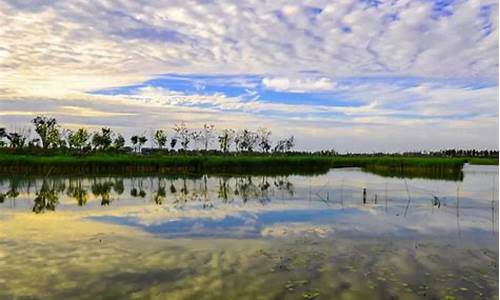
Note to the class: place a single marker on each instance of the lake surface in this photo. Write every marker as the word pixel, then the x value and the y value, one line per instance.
pixel 250 237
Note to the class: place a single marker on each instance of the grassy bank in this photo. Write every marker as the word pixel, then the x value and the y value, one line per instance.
pixel 482 161
pixel 130 164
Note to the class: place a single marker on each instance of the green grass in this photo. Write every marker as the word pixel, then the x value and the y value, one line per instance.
pixel 114 163
pixel 482 161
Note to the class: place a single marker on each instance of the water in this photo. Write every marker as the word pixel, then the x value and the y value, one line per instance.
pixel 250 237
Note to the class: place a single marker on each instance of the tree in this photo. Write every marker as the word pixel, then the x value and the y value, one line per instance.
pixel 138 142
pixel 135 140
pixel 78 140
pixel 285 144
pixel 290 143
pixel 160 138
pixel 102 140
pixel 119 142
pixel 196 138
pixel 207 134
pixel 3 134
pixel 182 134
pixel 246 140
pixel 173 143
pixel 225 139
pixel 16 140
pixel 47 129
pixel 142 141
pixel 264 139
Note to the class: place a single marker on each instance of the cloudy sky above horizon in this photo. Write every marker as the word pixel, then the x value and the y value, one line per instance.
pixel 350 75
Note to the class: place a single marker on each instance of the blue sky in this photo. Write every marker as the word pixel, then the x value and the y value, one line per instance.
pixel 349 75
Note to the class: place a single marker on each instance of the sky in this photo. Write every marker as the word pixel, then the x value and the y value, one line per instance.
pixel 356 76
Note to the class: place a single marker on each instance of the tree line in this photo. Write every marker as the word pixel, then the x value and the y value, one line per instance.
pixel 50 135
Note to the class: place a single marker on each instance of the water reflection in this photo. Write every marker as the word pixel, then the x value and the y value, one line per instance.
pixel 345 234
pixel 45 192
pixel 47 197
pixel 245 204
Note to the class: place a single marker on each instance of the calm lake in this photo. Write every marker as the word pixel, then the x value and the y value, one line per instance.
pixel 347 234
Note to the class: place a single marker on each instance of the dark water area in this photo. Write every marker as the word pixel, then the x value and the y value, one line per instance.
pixel 346 234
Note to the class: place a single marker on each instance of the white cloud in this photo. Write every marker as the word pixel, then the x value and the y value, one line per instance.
pixel 298 85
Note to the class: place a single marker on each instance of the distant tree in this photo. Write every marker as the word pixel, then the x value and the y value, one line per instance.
pixel 3 134
pixel 47 129
pixel 196 138
pixel 102 140
pixel 173 143
pixel 285 144
pixel 119 142
pixel 78 140
pixel 207 134
pixel 16 140
pixel 34 143
pixel 160 138
pixel 135 141
pixel 225 139
pixel 142 141
pixel 290 143
pixel 246 140
pixel 182 134
pixel 138 142
pixel 264 139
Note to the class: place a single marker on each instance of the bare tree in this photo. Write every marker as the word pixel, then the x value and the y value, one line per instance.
pixel 226 138
pixel 285 144
pixel 18 137
pixel 182 135
pixel 246 140
pixel 207 134
pixel 264 139
pixel 196 137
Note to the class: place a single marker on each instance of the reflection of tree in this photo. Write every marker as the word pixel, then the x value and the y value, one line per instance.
pixel 13 189
pixel 13 192
pixel 182 197
pixel 46 198
pixel 160 193
pixel 173 190
pixel 138 192
pixel 134 192
pixel 78 192
pixel 102 189
pixel 224 190
pixel 118 186
pixel 264 191
pixel 246 188
pixel 283 184
pixel 207 203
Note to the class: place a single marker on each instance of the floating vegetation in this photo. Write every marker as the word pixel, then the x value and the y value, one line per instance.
pixel 310 294
pixel 293 284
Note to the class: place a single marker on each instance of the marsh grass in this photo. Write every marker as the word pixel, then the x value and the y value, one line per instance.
pixel 128 164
